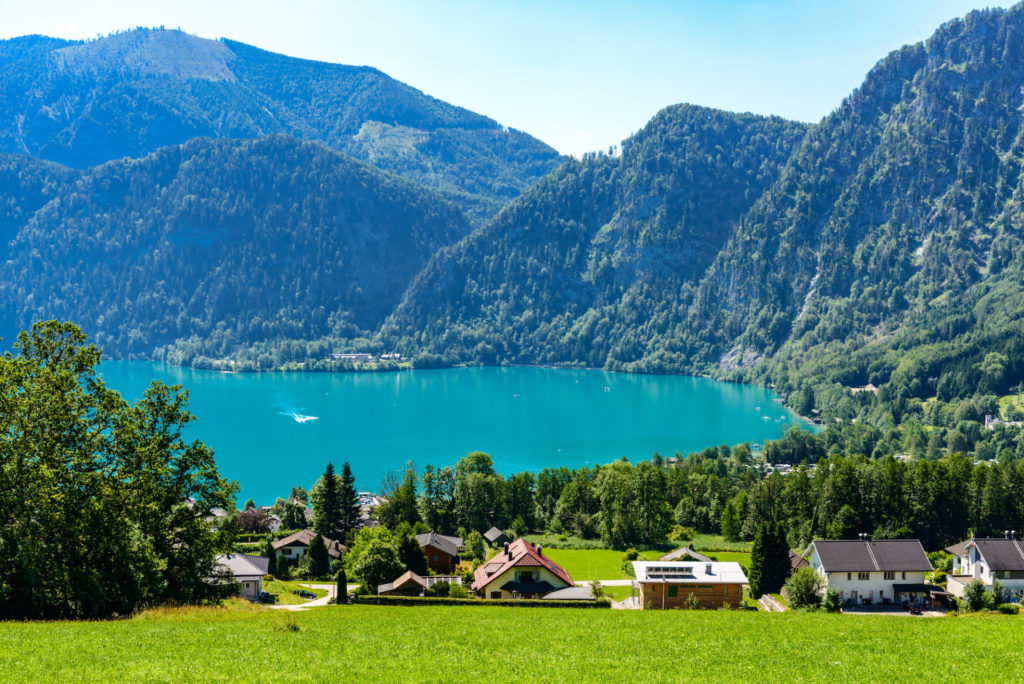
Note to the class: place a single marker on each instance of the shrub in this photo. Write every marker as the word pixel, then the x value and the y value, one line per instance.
pixel 976 597
pixel 682 533
pixel 1009 608
pixel 804 588
pixel 833 602
pixel 692 602
pixel 597 589
pixel 457 591
pixel 438 589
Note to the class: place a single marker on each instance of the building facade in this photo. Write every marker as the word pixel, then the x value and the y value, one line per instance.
pixel 663 585
pixel 988 559
pixel 872 572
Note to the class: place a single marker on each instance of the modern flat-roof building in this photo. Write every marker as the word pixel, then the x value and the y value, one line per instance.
pixel 670 584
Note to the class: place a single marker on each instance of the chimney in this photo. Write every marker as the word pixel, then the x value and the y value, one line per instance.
pixel 1006 533
pixel 540 550
pixel 707 568
pixel 506 550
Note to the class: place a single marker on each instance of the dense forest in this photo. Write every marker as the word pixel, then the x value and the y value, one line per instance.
pixel 131 93
pixel 228 241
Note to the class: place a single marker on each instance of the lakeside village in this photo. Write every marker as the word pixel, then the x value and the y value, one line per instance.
pixel 862 575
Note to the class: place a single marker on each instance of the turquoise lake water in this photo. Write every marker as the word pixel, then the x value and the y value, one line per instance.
pixel 274 430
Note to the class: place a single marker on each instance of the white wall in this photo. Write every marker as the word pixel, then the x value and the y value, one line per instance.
pixel 875 587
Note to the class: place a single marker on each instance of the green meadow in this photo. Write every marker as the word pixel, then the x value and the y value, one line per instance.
pixel 442 643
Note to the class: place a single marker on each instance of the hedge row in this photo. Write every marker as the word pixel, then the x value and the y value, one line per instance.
pixel 445 601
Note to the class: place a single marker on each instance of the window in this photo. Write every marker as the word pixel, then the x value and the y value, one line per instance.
pixel 849 576
pixel 435 557
pixel 890 576
pixel 495 594
pixel 673 591
pixel 904 575
pixel 863 575
pixel 726 595
pixel 287 551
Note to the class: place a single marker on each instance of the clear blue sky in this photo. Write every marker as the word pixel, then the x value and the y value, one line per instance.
pixel 580 75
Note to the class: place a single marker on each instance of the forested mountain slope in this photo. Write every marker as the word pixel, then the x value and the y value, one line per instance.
pixel 885 246
pixel 597 263
pixel 129 94
pixel 227 241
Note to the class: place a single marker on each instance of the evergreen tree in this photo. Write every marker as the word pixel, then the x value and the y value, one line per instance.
pixel 271 555
pixel 342 590
pixel 350 509
pixel 769 560
pixel 327 516
pixel 411 554
pixel 320 560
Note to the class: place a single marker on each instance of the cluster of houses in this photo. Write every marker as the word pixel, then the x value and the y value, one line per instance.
pixel 367 358
pixel 866 572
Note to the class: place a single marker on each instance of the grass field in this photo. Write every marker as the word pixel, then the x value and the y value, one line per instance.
pixel 714 542
pixel 594 564
pixel 388 643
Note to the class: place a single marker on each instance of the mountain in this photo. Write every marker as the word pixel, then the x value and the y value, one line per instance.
pixel 881 245
pixel 227 242
pixel 84 103
pixel 598 262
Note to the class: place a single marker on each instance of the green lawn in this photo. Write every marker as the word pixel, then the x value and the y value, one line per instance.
pixel 708 543
pixel 617 593
pixel 390 643
pixel 1008 402
pixel 283 591
pixel 595 564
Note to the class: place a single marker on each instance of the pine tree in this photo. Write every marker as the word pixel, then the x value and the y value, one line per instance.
pixel 757 561
pixel 350 509
pixel 327 518
pixel 320 559
pixel 342 591
pixel 769 559
pixel 268 551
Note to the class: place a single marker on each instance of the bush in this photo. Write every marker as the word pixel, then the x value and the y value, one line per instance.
pixel 438 589
pixel 976 597
pixel 833 600
pixel 1009 608
pixel 804 588
pixel 682 533
pixel 457 591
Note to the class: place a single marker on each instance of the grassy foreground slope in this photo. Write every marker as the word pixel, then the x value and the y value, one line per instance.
pixel 441 643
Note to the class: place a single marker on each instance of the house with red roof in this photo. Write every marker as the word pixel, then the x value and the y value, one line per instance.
pixel 520 570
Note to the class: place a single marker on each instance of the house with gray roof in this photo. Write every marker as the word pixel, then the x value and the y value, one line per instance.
pixel 988 559
pixel 684 553
pixel 494 536
pixel 248 571
pixel 872 571
pixel 442 551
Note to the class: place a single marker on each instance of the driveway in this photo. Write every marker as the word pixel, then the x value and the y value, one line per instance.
pixel 315 603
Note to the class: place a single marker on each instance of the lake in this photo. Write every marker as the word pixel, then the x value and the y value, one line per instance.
pixel 274 430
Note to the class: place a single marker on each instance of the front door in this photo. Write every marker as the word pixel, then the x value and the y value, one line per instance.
pixel 853 595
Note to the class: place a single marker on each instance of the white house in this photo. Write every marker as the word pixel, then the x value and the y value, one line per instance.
pixel 248 571
pixel 294 546
pixel 870 571
pixel 988 559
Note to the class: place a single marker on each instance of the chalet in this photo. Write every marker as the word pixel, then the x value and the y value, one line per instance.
pixel 295 545
pixel 442 551
pixel 684 553
pixel 409 584
pixel 520 570
pixel 494 536
pixel 248 571
pixel 670 584
pixel 988 559
pixel 872 571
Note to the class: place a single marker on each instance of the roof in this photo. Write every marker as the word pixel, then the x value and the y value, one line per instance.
pixel 304 537
pixel 520 553
pixel 855 555
pixel 240 567
pixel 493 534
pixel 406 578
pixel 261 562
pixel 999 552
pixel 797 561
pixel 682 553
pixel 439 542
pixel 688 572
pixel 571 594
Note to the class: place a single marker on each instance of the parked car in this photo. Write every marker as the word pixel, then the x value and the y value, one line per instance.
pixel 304 594
pixel 266 597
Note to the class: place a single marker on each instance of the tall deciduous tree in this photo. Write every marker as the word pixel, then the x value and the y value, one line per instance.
pixel 103 502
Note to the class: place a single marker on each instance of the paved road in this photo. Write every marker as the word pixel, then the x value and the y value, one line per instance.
pixel 315 603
